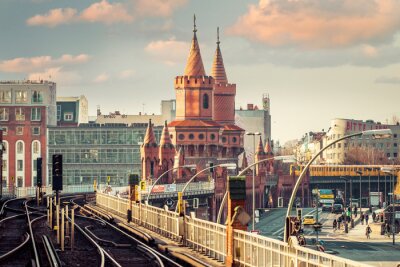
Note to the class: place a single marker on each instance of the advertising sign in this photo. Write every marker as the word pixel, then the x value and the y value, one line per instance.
pixel 158 189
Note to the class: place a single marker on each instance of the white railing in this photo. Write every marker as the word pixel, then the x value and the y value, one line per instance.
pixel 210 238
pixel 31 191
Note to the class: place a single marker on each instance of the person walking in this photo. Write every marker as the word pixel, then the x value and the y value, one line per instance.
pixel 387 229
pixel 368 231
pixel 362 218
pixel 373 216
pixel 355 211
pixel 366 218
pixel 339 221
pixel 334 225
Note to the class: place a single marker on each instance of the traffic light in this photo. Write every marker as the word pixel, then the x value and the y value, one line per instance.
pixel 299 214
pixel 133 179
pixel 57 172
pixel 39 172
pixel 211 167
pixel 237 187
pixel 293 226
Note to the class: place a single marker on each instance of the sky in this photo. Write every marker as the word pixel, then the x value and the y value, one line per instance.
pixel 317 59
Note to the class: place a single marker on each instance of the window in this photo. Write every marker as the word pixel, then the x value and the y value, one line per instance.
pixel 4 129
pixel 223 139
pixel 36 130
pixel 395 144
pixel 20 165
pixel 339 145
pixel 35 114
pixel 181 136
pixel 5 97
pixel 3 114
pixel 205 101
pixel 191 136
pixel 19 114
pixel 212 136
pixel 21 97
pixel 5 148
pixel 58 112
pixel 20 147
pixel 35 147
pixel 20 182
pixel 4 164
pixel 388 155
pixel 20 130
pixel 68 116
pixel 37 97
pixel 234 139
pixel 395 155
pixel 34 165
pixel 394 135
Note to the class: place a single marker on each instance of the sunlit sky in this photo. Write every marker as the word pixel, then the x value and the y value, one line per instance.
pixel 317 59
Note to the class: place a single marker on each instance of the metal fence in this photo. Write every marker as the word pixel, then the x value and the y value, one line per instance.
pixel 31 191
pixel 210 238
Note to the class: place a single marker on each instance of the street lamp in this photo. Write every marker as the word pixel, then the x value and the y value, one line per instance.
pixel 369 187
pixel 159 177
pixel 391 172
pixel 283 158
pixel 254 171
pixel 375 134
pixel 226 165
pixel 345 189
pixel 359 173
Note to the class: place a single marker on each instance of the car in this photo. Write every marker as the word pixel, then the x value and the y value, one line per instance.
pixel 337 208
pixel 309 220
pixel 327 207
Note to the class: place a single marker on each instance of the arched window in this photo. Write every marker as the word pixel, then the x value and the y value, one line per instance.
pixel 205 101
pixel 20 147
pixel 35 147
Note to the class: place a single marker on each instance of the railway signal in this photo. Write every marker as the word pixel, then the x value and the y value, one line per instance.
pixel 57 172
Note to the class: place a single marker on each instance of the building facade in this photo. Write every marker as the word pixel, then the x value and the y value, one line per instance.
pixel 72 111
pixel 98 151
pixel 27 108
pixel 338 153
pixel 255 119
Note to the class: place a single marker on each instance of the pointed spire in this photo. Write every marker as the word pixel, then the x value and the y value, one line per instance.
pixel 245 164
pixel 260 148
pixel 268 148
pixel 165 139
pixel 194 65
pixel 218 68
pixel 149 138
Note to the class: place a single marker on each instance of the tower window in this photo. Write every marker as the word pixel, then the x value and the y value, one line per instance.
pixel 205 101
pixel 181 136
pixel 191 136
pixel 201 136
pixel 212 136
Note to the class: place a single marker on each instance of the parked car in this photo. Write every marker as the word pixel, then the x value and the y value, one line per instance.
pixel 309 220
pixel 327 207
pixel 337 208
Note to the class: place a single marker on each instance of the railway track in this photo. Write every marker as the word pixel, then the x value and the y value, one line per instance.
pixel 120 248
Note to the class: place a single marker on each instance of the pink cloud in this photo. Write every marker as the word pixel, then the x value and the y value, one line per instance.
pixel 106 12
pixel 318 23
pixel 126 74
pixel 102 78
pixel 157 8
pixel 33 64
pixel 53 18
pixel 168 51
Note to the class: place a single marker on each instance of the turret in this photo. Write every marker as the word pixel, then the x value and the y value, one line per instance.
pixel 149 153
pixel 166 154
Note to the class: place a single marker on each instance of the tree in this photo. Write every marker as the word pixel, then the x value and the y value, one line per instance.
pixel 364 155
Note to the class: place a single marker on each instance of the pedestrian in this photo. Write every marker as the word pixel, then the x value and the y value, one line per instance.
pixel 387 229
pixel 339 221
pixel 362 218
pixel 334 225
pixel 368 231
pixel 366 218
pixel 373 216
pixel 355 211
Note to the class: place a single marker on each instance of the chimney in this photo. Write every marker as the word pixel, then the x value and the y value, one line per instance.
pixel 249 106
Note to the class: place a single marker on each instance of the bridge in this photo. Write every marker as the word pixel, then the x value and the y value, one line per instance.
pixel 210 238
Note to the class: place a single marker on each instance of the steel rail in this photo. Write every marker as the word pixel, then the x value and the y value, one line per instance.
pixel 52 255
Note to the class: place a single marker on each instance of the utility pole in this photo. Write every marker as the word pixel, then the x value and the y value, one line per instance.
pixel 1 164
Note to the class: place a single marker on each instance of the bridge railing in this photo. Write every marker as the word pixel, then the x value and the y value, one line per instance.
pixel 31 190
pixel 210 238
pixel 206 237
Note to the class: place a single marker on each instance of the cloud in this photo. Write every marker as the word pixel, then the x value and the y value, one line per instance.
pixel 169 51
pixel 33 64
pixel 388 80
pixel 58 75
pixel 369 51
pixel 316 24
pixel 108 12
pixel 101 78
pixel 53 18
pixel 158 8
pixel 126 74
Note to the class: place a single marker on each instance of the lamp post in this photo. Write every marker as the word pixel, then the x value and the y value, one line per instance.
pixel 226 165
pixel 391 172
pixel 254 174
pixel 283 158
pixel 376 134
pixel 1 164
pixel 369 188
pixel 159 177
pixel 345 189
pixel 359 173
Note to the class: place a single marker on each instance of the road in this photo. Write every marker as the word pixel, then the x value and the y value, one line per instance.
pixel 349 245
